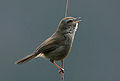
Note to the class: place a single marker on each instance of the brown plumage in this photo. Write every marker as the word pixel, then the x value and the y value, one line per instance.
pixel 56 47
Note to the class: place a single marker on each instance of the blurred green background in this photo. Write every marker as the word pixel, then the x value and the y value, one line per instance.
pixel 95 55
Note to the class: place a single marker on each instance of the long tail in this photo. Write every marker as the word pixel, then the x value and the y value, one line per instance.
pixel 26 59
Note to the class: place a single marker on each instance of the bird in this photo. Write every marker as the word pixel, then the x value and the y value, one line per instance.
pixel 58 45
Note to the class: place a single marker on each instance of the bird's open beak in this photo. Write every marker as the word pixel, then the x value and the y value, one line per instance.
pixel 77 20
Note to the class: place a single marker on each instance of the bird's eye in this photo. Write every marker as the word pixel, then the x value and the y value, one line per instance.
pixel 69 21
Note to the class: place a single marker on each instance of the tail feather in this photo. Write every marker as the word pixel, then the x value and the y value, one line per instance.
pixel 26 59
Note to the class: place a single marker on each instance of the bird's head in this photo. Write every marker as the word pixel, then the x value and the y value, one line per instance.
pixel 68 24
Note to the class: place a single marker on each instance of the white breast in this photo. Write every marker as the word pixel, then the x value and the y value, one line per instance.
pixel 76 27
pixel 73 31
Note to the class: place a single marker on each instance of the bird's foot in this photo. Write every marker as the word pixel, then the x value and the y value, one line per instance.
pixel 61 71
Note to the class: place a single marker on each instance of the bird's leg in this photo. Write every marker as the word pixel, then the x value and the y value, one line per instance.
pixel 61 69
pixel 62 65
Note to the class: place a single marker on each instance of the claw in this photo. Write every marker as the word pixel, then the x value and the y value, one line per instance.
pixel 61 71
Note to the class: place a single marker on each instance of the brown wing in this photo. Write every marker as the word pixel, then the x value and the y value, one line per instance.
pixel 46 47
pixel 49 45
